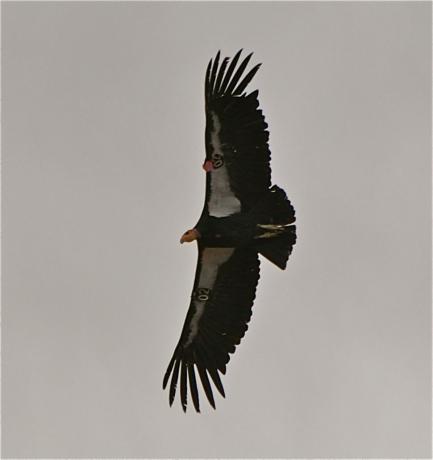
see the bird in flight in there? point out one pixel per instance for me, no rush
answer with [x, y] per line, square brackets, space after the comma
[243, 216]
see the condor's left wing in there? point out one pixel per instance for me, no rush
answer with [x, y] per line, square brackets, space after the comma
[219, 312]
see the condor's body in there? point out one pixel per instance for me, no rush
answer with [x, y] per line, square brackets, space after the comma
[243, 216]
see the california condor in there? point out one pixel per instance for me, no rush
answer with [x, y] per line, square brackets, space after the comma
[243, 216]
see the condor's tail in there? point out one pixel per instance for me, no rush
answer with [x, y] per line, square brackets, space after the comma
[275, 232]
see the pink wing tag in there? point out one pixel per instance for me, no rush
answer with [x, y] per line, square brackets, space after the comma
[208, 166]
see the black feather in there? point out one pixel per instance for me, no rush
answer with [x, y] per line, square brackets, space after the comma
[229, 73]
[244, 83]
[211, 355]
[168, 372]
[207, 81]
[193, 387]
[173, 382]
[220, 75]
[238, 74]
[207, 354]
[206, 385]
[216, 379]
[214, 72]
[183, 396]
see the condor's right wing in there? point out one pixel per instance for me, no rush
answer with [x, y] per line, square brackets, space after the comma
[236, 139]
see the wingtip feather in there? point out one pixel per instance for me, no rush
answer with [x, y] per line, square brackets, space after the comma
[206, 385]
[193, 387]
[168, 373]
[173, 383]
[229, 72]
[217, 381]
[246, 80]
[183, 389]
[234, 81]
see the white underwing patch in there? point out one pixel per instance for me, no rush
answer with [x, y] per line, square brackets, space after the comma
[211, 260]
[223, 201]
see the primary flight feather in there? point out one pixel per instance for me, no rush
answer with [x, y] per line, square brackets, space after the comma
[243, 216]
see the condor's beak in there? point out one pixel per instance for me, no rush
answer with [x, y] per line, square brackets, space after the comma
[189, 235]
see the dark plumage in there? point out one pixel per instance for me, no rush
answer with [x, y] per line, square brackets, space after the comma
[243, 216]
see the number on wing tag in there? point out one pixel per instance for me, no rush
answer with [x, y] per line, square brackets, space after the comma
[202, 294]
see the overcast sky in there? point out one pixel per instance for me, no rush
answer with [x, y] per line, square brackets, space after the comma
[103, 139]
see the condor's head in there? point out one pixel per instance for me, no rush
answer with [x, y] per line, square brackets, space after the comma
[190, 235]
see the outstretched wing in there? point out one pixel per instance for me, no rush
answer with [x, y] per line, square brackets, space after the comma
[236, 139]
[220, 309]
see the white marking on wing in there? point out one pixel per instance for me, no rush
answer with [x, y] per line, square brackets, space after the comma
[212, 259]
[223, 201]
[193, 327]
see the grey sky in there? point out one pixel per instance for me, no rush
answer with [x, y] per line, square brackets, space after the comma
[103, 139]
